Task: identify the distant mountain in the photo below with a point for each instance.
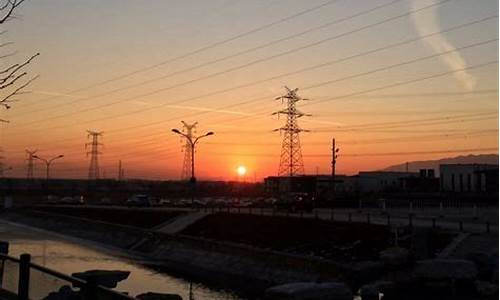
(415, 166)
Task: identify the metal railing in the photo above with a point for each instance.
(88, 289)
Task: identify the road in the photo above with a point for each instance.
(426, 218)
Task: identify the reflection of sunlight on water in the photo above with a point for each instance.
(68, 257)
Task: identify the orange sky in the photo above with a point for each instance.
(365, 77)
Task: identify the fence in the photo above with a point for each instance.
(28, 280)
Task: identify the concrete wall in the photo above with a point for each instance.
(464, 178)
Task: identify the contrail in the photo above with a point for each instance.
(425, 23)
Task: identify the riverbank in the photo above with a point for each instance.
(70, 255)
(245, 268)
(250, 253)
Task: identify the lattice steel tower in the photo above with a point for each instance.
(189, 130)
(291, 163)
(30, 159)
(94, 154)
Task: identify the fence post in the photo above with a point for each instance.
(388, 220)
(440, 209)
(4, 249)
(23, 286)
(90, 290)
(433, 223)
(368, 218)
(410, 220)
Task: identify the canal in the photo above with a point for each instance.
(70, 255)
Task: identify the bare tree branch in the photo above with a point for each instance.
(18, 91)
(10, 5)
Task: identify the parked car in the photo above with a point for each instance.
(105, 201)
(139, 200)
(296, 202)
(77, 200)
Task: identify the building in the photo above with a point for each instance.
(469, 178)
(383, 181)
(426, 182)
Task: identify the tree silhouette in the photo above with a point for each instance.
(14, 78)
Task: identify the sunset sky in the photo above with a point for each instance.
(392, 81)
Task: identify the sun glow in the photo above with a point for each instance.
(241, 170)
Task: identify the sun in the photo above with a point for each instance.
(241, 170)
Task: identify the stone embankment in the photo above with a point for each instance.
(404, 271)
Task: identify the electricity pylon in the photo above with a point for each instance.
(291, 163)
(30, 159)
(188, 130)
(94, 154)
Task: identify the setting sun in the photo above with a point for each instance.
(242, 170)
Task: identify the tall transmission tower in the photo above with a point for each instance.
(94, 154)
(30, 159)
(189, 130)
(291, 163)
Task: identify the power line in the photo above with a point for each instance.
(204, 48)
(322, 41)
(265, 45)
(343, 78)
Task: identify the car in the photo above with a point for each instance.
(71, 200)
(165, 202)
(105, 201)
(139, 200)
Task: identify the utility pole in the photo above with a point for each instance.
(121, 172)
(47, 162)
(192, 144)
(291, 163)
(30, 159)
(3, 167)
(187, 166)
(94, 154)
(334, 162)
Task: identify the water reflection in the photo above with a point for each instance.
(69, 256)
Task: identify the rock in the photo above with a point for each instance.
(369, 292)
(64, 293)
(366, 271)
(388, 288)
(158, 296)
(443, 269)
(394, 257)
(486, 289)
(486, 264)
(106, 278)
(310, 291)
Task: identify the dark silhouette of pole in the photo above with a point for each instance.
(334, 162)
(47, 169)
(47, 163)
(193, 143)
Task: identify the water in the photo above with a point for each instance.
(63, 255)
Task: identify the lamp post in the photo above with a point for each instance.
(335, 152)
(47, 163)
(192, 143)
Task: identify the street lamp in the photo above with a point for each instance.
(192, 143)
(47, 163)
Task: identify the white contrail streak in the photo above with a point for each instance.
(429, 22)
